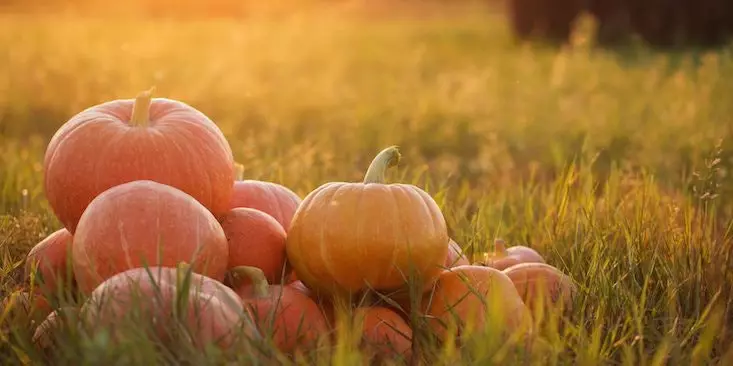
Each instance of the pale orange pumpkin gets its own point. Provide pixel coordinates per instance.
(292, 318)
(503, 257)
(271, 198)
(153, 297)
(49, 260)
(469, 298)
(385, 335)
(347, 237)
(541, 283)
(455, 256)
(146, 223)
(255, 239)
(120, 141)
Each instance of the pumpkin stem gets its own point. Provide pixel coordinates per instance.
(260, 286)
(386, 158)
(500, 246)
(141, 109)
(238, 171)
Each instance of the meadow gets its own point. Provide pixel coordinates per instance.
(614, 164)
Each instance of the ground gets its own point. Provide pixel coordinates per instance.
(614, 164)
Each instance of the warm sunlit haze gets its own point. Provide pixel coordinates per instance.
(613, 163)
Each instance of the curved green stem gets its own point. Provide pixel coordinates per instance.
(386, 158)
(260, 286)
(141, 108)
(238, 171)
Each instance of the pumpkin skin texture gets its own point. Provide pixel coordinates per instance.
(50, 258)
(349, 237)
(146, 223)
(294, 319)
(274, 199)
(540, 283)
(455, 256)
(271, 198)
(148, 296)
(502, 257)
(46, 333)
(120, 141)
(255, 239)
(384, 333)
(477, 295)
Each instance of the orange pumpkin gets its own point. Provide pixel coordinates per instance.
(146, 223)
(347, 237)
(323, 302)
(540, 283)
(455, 256)
(255, 239)
(50, 260)
(290, 316)
(271, 198)
(159, 139)
(385, 335)
(502, 257)
(24, 309)
(152, 296)
(469, 298)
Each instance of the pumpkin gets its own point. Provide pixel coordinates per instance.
(292, 318)
(323, 302)
(211, 311)
(271, 198)
(470, 298)
(348, 237)
(49, 262)
(146, 223)
(255, 239)
(23, 309)
(455, 256)
(385, 334)
(502, 257)
(541, 283)
(120, 141)
(47, 333)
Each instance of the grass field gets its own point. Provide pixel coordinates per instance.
(615, 165)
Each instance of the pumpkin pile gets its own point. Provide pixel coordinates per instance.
(159, 222)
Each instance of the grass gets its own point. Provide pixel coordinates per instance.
(615, 165)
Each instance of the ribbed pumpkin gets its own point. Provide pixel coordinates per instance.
(347, 237)
(120, 141)
(49, 259)
(502, 257)
(146, 223)
(271, 198)
(153, 296)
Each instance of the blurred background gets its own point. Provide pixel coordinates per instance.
(488, 91)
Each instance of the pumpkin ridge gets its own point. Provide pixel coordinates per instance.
(325, 256)
(400, 228)
(201, 163)
(62, 133)
(278, 204)
(358, 246)
(103, 160)
(434, 220)
(304, 212)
